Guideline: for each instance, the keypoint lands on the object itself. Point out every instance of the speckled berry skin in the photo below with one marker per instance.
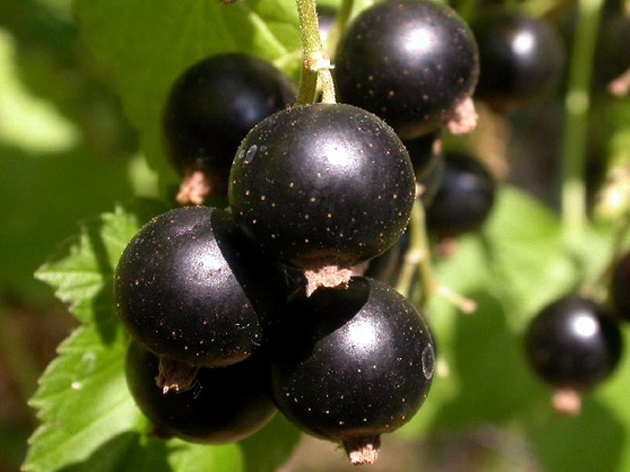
(191, 287)
(322, 184)
(351, 364)
(573, 343)
(224, 405)
(408, 61)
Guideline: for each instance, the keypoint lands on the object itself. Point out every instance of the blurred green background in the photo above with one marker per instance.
(66, 153)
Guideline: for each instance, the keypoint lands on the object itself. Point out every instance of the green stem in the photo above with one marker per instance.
(418, 261)
(315, 64)
(577, 101)
(417, 257)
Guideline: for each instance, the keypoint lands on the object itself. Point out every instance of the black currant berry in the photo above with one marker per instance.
(323, 187)
(521, 59)
(224, 405)
(573, 344)
(464, 199)
(191, 288)
(412, 62)
(350, 365)
(210, 109)
(620, 287)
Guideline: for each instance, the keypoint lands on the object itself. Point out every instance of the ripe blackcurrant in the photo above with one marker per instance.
(521, 58)
(573, 344)
(412, 62)
(225, 404)
(210, 109)
(323, 187)
(191, 288)
(464, 199)
(350, 365)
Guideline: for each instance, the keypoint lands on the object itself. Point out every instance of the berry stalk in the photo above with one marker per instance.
(418, 262)
(577, 103)
(417, 258)
(315, 63)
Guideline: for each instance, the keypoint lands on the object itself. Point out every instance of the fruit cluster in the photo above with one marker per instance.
(214, 294)
(279, 300)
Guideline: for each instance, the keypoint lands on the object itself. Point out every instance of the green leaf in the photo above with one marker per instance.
(82, 399)
(82, 272)
(148, 44)
(82, 402)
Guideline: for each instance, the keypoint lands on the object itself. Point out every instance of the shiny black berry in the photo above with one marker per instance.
(210, 109)
(521, 58)
(322, 187)
(224, 405)
(573, 344)
(464, 199)
(412, 62)
(191, 288)
(350, 365)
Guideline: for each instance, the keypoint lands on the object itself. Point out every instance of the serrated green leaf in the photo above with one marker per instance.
(82, 399)
(82, 402)
(82, 271)
(148, 44)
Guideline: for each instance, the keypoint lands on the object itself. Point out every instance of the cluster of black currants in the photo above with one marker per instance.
(576, 342)
(234, 313)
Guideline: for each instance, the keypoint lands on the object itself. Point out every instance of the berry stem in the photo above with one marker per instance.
(418, 260)
(417, 257)
(315, 63)
(576, 107)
